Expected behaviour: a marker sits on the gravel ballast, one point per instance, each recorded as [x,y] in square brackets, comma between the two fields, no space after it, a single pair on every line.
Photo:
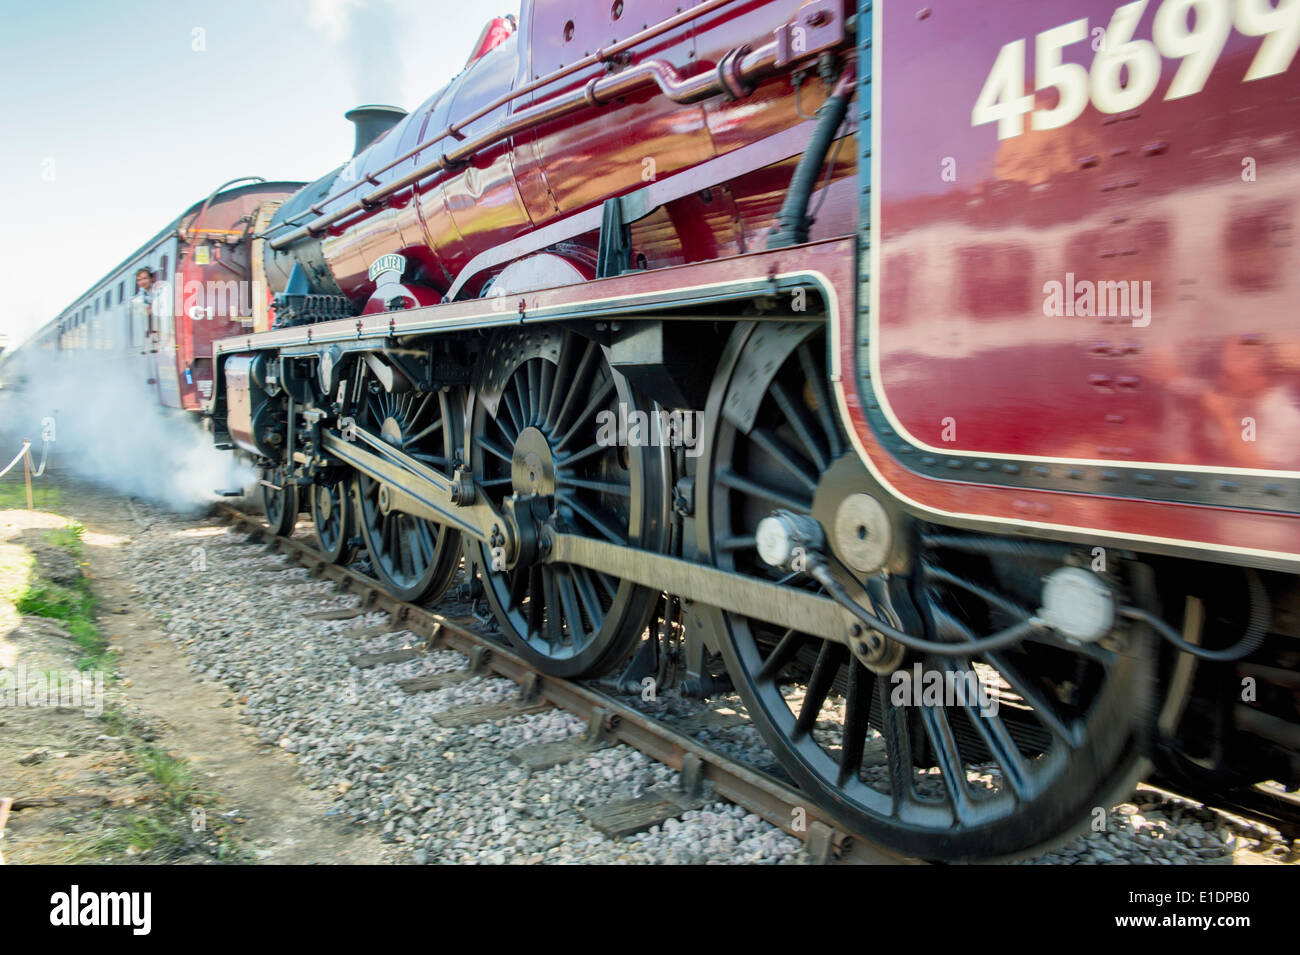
[451,794]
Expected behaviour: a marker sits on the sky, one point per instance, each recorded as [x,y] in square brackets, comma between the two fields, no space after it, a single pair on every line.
[116,116]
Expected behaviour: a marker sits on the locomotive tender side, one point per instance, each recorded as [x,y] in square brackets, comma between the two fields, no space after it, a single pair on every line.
[793,404]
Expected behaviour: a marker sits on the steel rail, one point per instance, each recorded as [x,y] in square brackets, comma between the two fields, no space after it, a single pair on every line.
[781,805]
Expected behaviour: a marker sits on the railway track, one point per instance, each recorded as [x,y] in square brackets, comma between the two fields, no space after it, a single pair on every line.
[705,774]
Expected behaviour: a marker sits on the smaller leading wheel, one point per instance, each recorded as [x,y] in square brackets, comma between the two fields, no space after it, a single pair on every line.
[279,501]
[331,515]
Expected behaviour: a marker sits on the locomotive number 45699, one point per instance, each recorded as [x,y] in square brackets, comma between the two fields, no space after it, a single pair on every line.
[1125,70]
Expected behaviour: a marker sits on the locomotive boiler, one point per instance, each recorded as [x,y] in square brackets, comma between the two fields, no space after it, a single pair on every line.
[957,343]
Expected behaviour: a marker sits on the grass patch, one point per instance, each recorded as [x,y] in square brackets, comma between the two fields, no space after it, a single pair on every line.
[178,819]
[171,826]
[117,721]
[73,606]
[70,538]
[13,496]
[56,602]
[171,773]
[142,833]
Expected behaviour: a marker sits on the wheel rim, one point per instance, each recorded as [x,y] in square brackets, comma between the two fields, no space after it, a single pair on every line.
[280,507]
[415,558]
[937,781]
[331,507]
[535,431]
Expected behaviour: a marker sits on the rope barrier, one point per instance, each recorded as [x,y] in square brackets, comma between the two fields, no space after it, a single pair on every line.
[45,449]
[18,457]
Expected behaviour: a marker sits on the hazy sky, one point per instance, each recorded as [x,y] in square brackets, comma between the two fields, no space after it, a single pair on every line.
[118,115]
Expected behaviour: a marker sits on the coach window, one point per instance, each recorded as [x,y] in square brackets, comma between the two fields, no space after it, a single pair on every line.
[121,292]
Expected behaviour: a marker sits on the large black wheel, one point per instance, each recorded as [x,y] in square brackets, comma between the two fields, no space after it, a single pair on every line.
[279,501]
[543,397]
[929,775]
[415,558]
[331,516]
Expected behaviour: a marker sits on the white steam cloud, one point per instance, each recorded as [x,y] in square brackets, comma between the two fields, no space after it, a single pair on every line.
[109,427]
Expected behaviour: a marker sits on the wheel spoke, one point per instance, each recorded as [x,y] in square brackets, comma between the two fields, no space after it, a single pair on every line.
[951,768]
[795,418]
[492,448]
[569,460]
[410,421]
[576,387]
[607,583]
[898,746]
[425,532]
[536,602]
[590,600]
[511,401]
[729,478]
[569,599]
[601,487]
[780,452]
[933,572]
[857,708]
[784,652]
[554,619]
[828,664]
[599,523]
[815,375]
[546,389]
[597,400]
[532,398]
[436,426]
[1044,708]
[562,386]
[996,736]
[502,421]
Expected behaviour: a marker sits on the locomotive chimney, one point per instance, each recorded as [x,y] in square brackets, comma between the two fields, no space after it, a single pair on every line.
[372,122]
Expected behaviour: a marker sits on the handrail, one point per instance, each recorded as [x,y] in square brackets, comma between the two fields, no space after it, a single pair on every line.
[453,129]
[734,72]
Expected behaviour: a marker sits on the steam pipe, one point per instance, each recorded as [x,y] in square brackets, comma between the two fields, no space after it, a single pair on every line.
[736,72]
[603,55]
[793,221]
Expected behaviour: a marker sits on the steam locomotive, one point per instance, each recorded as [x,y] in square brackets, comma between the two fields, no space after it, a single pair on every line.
[850,355]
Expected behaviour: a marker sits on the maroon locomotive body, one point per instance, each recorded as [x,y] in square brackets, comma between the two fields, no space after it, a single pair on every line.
[978,319]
